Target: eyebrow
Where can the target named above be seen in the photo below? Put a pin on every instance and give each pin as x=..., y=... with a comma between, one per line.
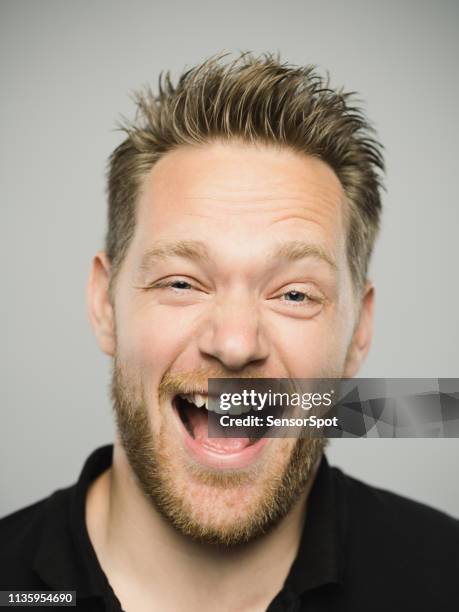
x=298, y=249
x=196, y=250
x=188, y=249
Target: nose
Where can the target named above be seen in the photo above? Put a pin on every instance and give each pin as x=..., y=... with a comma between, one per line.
x=233, y=334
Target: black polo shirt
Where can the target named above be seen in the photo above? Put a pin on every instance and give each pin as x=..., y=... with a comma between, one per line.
x=362, y=549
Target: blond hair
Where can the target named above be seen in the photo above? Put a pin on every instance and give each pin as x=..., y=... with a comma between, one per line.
x=256, y=100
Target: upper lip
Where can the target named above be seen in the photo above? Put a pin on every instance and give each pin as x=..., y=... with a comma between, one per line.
x=189, y=391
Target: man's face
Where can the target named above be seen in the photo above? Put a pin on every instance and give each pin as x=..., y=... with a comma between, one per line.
x=237, y=268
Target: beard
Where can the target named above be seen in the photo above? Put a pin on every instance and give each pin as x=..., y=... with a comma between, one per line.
x=278, y=484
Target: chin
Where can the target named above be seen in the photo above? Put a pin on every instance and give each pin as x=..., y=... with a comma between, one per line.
x=211, y=490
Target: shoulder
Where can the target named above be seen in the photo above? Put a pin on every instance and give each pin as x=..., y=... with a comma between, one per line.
x=22, y=527
x=19, y=530
x=21, y=534
x=399, y=513
x=409, y=544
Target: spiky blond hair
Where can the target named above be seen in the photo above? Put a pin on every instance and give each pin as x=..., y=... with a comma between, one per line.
x=253, y=99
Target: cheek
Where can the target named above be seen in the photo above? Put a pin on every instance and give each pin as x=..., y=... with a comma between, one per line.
x=311, y=348
x=150, y=337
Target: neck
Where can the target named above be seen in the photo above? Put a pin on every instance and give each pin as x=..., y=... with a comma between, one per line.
x=146, y=559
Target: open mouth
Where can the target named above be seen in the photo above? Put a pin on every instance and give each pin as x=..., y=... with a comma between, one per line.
x=192, y=410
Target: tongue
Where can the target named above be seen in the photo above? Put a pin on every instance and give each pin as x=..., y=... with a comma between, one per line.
x=198, y=420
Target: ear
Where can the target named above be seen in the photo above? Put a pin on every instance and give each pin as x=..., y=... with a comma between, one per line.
x=100, y=309
x=363, y=333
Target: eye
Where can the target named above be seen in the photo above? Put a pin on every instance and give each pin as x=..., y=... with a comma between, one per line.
x=295, y=296
x=176, y=291
x=178, y=284
x=293, y=301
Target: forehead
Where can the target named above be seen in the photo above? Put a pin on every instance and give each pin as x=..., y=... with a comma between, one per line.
x=238, y=192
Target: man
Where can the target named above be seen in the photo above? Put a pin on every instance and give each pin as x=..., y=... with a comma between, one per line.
x=243, y=208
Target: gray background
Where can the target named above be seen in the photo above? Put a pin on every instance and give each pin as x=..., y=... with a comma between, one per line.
x=66, y=70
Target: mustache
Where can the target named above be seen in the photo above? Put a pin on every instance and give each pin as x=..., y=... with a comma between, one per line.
x=197, y=380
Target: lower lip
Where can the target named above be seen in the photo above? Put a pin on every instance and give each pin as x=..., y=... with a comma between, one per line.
x=219, y=461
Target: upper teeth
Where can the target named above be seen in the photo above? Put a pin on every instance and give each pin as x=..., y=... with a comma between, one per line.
x=203, y=400
x=197, y=399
